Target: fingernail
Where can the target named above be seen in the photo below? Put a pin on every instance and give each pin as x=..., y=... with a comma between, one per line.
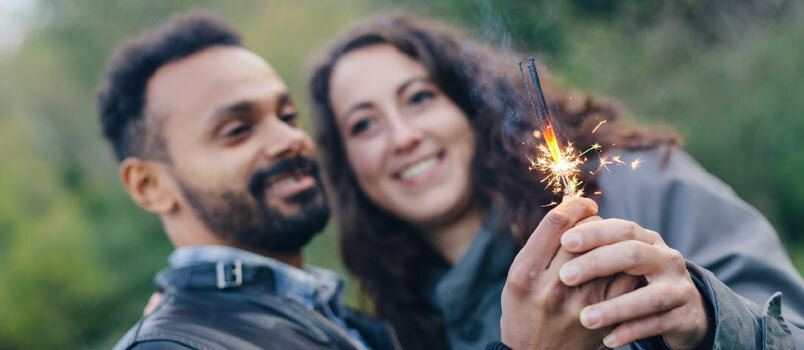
x=590, y=317
x=610, y=341
x=571, y=240
x=569, y=274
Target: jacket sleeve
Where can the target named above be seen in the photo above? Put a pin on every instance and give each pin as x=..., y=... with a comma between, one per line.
x=741, y=323
x=739, y=251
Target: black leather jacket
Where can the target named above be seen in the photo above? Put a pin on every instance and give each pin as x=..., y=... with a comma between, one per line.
x=214, y=306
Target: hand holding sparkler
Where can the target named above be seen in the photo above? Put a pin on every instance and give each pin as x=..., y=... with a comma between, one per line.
x=670, y=305
x=538, y=311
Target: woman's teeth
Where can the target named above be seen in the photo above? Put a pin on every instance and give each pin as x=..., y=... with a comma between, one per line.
x=418, y=168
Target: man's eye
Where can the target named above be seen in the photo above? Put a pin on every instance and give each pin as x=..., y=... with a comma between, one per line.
x=361, y=126
x=421, y=96
x=236, y=131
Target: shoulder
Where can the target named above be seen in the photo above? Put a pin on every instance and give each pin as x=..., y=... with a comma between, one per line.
x=656, y=168
x=663, y=178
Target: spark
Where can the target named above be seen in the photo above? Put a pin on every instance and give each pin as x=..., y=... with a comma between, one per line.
x=549, y=204
x=635, y=164
x=604, y=163
x=598, y=125
x=559, y=163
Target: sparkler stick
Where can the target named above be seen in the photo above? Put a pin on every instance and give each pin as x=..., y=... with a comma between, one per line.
x=563, y=165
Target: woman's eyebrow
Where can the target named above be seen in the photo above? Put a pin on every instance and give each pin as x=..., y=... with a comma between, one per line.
x=359, y=106
x=408, y=82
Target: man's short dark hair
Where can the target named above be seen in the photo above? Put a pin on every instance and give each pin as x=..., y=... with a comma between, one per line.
x=121, y=97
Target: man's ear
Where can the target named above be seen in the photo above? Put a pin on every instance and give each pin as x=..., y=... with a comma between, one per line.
x=148, y=185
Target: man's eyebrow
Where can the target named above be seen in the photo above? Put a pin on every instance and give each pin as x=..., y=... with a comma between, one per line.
x=284, y=100
x=238, y=107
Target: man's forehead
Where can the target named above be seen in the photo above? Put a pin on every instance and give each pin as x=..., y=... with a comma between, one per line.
x=217, y=75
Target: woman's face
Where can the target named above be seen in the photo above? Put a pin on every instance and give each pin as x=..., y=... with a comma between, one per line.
x=409, y=145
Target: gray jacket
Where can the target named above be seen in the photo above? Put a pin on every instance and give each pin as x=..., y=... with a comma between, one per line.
x=735, y=256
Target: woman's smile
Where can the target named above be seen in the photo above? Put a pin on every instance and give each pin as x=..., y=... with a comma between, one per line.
x=420, y=172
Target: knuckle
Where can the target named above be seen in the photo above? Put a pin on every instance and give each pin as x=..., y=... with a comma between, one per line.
x=686, y=290
x=633, y=252
x=656, y=296
x=593, y=262
x=519, y=280
x=631, y=230
x=654, y=236
x=558, y=219
x=676, y=260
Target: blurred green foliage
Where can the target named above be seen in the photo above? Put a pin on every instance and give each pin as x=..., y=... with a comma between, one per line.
x=77, y=257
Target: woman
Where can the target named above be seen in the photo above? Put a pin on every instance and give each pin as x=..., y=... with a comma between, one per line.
x=425, y=137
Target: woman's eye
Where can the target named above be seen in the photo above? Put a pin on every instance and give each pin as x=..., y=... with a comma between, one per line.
x=361, y=126
x=289, y=118
x=421, y=96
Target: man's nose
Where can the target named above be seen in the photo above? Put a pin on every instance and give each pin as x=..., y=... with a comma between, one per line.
x=282, y=140
x=404, y=135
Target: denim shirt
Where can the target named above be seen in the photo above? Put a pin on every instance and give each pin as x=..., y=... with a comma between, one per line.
x=317, y=289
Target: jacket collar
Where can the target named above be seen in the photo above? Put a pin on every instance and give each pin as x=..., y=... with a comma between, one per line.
x=455, y=290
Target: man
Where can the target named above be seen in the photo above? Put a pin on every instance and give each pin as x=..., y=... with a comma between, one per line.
x=207, y=137
x=208, y=140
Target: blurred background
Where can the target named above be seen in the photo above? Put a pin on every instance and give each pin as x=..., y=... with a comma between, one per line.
x=77, y=256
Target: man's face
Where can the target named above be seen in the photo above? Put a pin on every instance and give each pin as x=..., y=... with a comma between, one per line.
x=236, y=151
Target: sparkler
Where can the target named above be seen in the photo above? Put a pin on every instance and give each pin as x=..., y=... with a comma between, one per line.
x=561, y=164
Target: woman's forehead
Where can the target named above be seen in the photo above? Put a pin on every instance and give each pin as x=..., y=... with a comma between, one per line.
x=371, y=72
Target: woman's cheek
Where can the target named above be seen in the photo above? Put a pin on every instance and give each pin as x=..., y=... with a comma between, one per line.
x=366, y=161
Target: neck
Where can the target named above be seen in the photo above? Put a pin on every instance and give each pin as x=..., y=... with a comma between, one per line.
x=294, y=259
x=453, y=238
x=187, y=233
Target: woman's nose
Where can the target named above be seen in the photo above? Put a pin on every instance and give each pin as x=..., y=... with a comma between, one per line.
x=405, y=137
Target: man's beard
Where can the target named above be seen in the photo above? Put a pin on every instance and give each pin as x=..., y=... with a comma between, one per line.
x=244, y=219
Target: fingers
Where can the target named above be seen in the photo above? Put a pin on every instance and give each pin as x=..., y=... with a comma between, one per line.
x=622, y=283
x=631, y=257
x=672, y=323
x=649, y=300
x=543, y=244
x=595, y=233
x=635, y=330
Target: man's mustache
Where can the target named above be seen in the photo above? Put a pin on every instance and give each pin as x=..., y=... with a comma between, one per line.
x=299, y=164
